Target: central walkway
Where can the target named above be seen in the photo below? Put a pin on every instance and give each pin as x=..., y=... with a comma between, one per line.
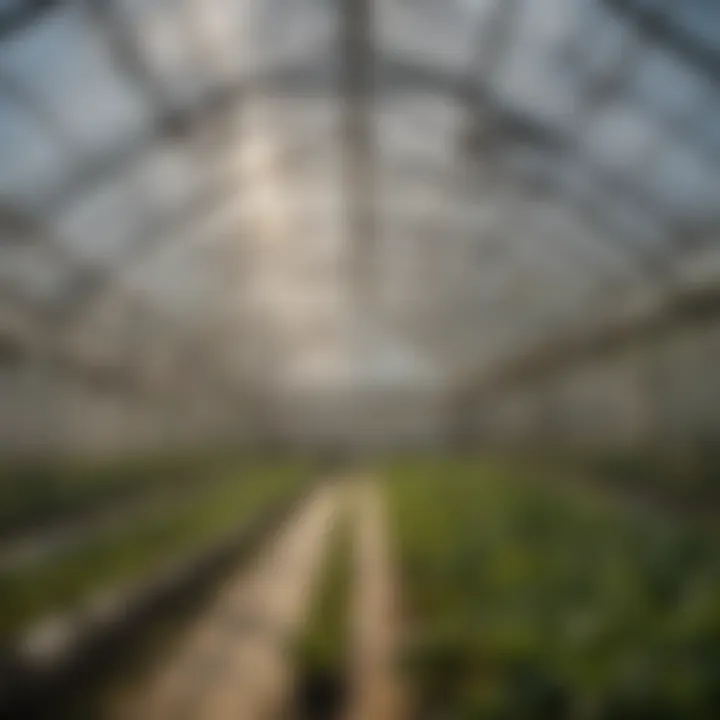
x=236, y=662
x=375, y=689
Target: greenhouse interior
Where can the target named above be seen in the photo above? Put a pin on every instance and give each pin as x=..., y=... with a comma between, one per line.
x=360, y=359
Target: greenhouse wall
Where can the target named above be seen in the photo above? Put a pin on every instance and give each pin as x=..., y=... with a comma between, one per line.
x=656, y=391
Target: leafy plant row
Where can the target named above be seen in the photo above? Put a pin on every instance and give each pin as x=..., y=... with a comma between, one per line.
x=30, y=593
x=529, y=600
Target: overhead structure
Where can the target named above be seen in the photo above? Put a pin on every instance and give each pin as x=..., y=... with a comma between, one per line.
x=274, y=219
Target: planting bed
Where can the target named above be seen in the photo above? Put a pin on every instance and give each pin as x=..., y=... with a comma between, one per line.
x=533, y=600
x=321, y=651
x=29, y=593
x=37, y=494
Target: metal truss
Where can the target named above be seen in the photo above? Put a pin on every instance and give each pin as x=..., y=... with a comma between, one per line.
x=496, y=130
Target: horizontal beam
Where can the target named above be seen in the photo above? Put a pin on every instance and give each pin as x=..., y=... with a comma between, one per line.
x=21, y=342
x=19, y=15
x=108, y=164
x=662, y=29
x=688, y=307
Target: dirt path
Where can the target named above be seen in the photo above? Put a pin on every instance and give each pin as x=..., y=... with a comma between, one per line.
x=376, y=691
x=235, y=664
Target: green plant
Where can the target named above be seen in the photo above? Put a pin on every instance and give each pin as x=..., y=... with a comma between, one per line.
x=29, y=593
x=531, y=600
x=321, y=650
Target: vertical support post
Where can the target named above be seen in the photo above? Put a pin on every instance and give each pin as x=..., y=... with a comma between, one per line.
x=357, y=54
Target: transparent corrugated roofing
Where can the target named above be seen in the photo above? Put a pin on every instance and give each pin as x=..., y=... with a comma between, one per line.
x=263, y=182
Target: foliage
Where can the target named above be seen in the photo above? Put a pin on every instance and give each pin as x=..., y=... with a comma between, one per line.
x=529, y=600
x=321, y=650
x=29, y=593
x=688, y=474
x=37, y=492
